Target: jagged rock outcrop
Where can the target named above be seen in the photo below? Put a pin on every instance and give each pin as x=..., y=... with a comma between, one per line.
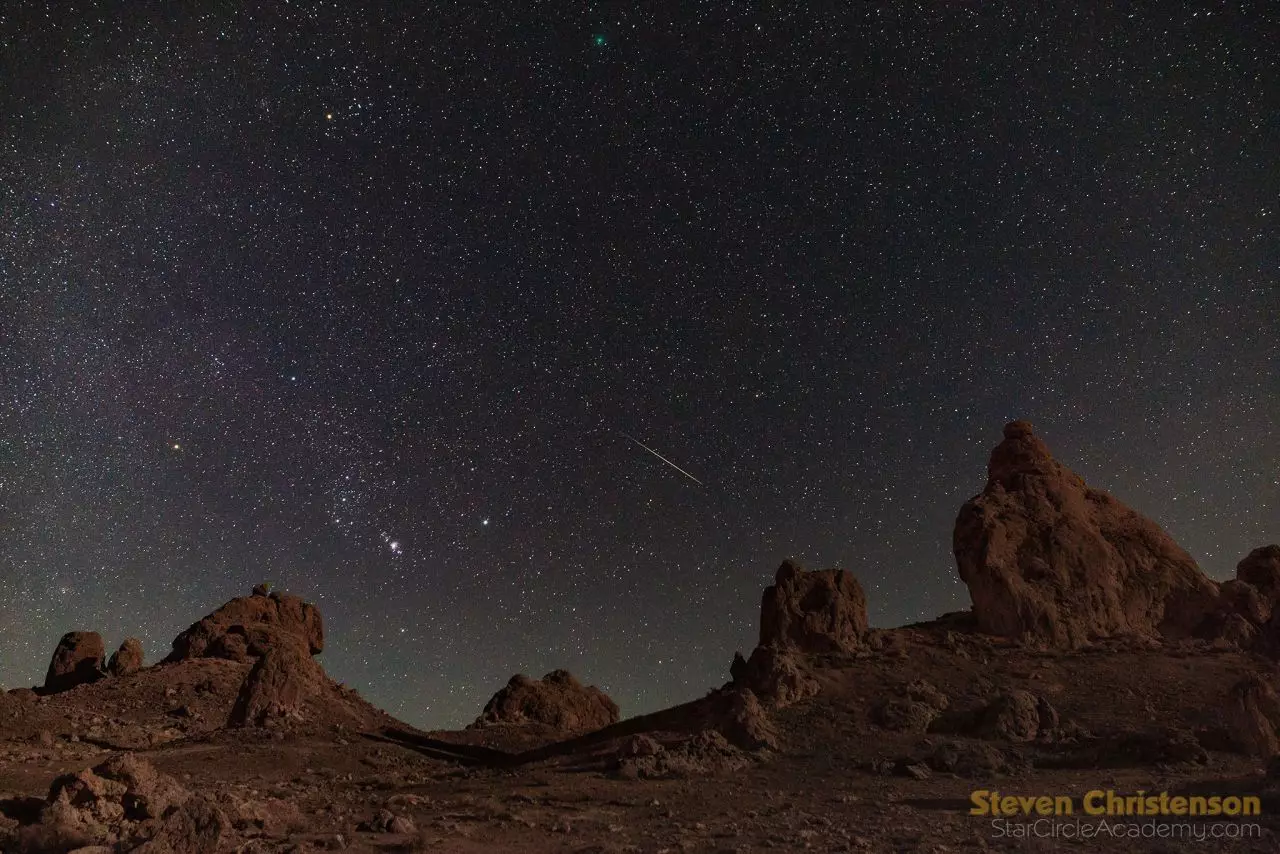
x=277, y=687
x=127, y=659
x=124, y=804
x=246, y=627
x=1047, y=557
x=774, y=675
x=558, y=700
x=1261, y=568
x=813, y=612
x=77, y=660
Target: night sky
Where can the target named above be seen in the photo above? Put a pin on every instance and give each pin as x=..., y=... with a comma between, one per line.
x=361, y=301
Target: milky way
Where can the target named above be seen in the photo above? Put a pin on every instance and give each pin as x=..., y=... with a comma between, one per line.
x=364, y=306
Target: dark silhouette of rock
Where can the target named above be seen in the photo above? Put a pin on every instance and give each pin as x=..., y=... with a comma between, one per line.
x=773, y=674
x=246, y=627
x=1261, y=568
x=127, y=659
x=76, y=661
x=558, y=700
x=1047, y=557
x=813, y=612
x=277, y=687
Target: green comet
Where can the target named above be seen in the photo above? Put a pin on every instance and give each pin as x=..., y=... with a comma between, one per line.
x=599, y=40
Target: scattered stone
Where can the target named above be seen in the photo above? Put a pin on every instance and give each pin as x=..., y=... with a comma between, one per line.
x=124, y=798
x=127, y=659
x=1048, y=557
x=76, y=661
x=707, y=752
x=557, y=700
x=916, y=771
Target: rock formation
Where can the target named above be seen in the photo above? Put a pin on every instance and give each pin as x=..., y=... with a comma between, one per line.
x=774, y=675
x=813, y=612
x=124, y=804
x=76, y=661
x=277, y=687
x=558, y=700
x=127, y=659
x=246, y=627
x=1261, y=568
x=1047, y=557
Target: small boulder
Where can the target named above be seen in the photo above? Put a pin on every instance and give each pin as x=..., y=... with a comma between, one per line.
x=773, y=675
x=76, y=661
x=125, y=798
x=127, y=659
x=813, y=612
x=1016, y=715
x=558, y=700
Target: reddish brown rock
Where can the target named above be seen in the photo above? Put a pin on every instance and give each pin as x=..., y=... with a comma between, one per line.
x=277, y=687
x=745, y=723
x=127, y=659
x=76, y=661
x=813, y=612
x=246, y=627
x=773, y=675
x=125, y=798
x=1047, y=557
x=557, y=700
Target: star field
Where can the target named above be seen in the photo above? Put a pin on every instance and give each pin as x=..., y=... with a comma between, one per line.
x=362, y=303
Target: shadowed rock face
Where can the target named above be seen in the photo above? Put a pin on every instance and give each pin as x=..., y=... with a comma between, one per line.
x=277, y=687
x=557, y=700
x=1048, y=557
x=813, y=612
x=76, y=661
x=1261, y=568
x=246, y=627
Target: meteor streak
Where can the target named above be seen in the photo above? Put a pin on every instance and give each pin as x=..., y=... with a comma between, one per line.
x=664, y=459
